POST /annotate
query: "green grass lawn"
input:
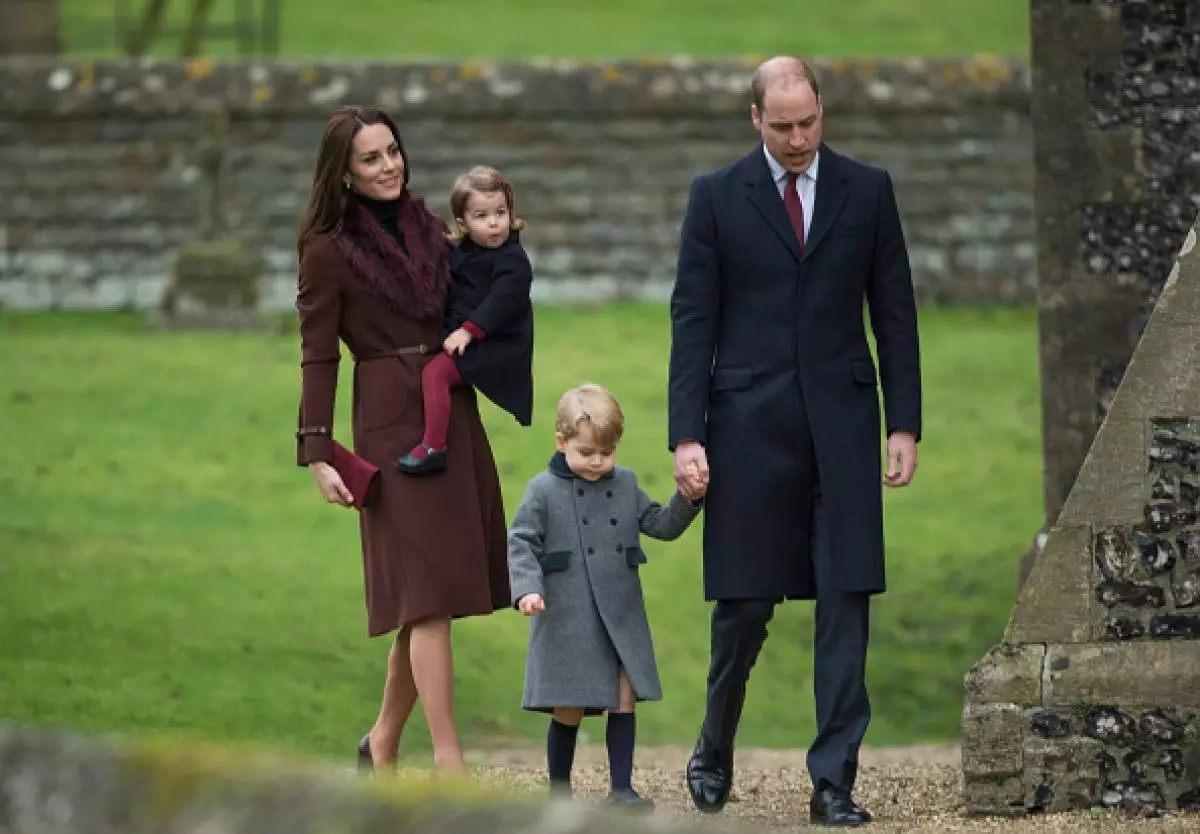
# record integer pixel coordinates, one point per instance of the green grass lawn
(604, 30)
(165, 567)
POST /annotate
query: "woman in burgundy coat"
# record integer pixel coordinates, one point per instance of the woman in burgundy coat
(374, 273)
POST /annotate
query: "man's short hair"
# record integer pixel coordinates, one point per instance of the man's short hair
(793, 72)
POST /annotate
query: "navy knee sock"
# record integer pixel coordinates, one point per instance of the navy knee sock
(619, 738)
(560, 752)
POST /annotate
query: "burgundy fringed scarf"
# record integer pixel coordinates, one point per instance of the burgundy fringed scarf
(414, 283)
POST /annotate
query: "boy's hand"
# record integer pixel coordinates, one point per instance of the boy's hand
(530, 604)
(456, 342)
(692, 470)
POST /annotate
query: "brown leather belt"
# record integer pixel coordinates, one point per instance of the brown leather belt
(391, 353)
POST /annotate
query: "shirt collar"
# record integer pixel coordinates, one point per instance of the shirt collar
(779, 173)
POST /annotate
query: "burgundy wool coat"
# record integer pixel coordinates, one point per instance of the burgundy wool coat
(432, 545)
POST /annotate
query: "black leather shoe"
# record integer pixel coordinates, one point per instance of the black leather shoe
(835, 808)
(627, 799)
(412, 464)
(709, 778)
(366, 762)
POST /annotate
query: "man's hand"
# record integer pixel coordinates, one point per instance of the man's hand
(457, 342)
(691, 470)
(530, 604)
(902, 459)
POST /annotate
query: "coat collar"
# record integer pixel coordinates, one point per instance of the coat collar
(558, 466)
(763, 192)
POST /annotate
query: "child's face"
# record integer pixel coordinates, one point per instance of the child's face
(487, 219)
(585, 457)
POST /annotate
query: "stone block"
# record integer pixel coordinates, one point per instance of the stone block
(1145, 674)
(1007, 674)
(1180, 299)
(992, 739)
(994, 795)
(1163, 377)
(215, 284)
(1055, 604)
(1111, 488)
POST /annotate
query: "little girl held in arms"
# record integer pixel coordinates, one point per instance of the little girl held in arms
(489, 315)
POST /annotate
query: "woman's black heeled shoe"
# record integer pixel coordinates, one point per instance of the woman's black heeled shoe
(366, 762)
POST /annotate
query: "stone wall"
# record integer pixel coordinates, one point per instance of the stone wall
(1116, 119)
(1093, 696)
(99, 172)
(58, 783)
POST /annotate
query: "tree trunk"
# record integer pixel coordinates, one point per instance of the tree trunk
(193, 37)
(147, 27)
(31, 27)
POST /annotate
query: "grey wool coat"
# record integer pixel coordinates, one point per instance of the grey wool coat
(577, 543)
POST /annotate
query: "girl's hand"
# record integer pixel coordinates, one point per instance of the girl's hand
(457, 342)
(530, 604)
(333, 488)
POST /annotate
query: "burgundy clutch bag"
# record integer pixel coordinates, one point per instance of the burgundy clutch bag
(360, 476)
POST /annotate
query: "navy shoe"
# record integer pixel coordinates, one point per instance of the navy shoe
(627, 799)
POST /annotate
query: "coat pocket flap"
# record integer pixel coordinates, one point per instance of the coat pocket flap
(863, 372)
(555, 561)
(635, 556)
(731, 379)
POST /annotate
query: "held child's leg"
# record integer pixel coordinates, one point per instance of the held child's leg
(560, 747)
(620, 738)
(437, 378)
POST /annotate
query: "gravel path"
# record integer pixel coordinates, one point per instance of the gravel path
(907, 789)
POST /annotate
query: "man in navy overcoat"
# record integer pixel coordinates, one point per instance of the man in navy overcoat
(773, 404)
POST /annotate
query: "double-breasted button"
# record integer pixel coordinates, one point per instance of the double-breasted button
(591, 550)
(620, 547)
(613, 522)
(585, 521)
(581, 490)
(608, 494)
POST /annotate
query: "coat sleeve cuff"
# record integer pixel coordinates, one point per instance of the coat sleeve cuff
(314, 443)
(525, 589)
(475, 330)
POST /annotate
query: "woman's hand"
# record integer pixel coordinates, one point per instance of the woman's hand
(530, 604)
(333, 489)
(457, 342)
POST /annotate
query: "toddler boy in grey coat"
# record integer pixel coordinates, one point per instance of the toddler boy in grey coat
(573, 561)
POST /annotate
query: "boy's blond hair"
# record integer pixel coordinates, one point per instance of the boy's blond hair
(594, 406)
(482, 179)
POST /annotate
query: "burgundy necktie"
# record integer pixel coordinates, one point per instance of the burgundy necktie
(795, 208)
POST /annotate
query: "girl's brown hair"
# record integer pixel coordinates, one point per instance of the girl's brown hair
(481, 179)
(327, 200)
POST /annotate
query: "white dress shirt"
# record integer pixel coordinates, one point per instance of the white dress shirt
(806, 185)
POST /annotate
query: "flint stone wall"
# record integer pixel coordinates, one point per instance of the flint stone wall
(99, 171)
(1093, 696)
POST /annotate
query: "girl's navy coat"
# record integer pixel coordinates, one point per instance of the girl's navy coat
(491, 290)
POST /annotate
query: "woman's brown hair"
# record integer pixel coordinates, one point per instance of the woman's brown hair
(327, 200)
(481, 179)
